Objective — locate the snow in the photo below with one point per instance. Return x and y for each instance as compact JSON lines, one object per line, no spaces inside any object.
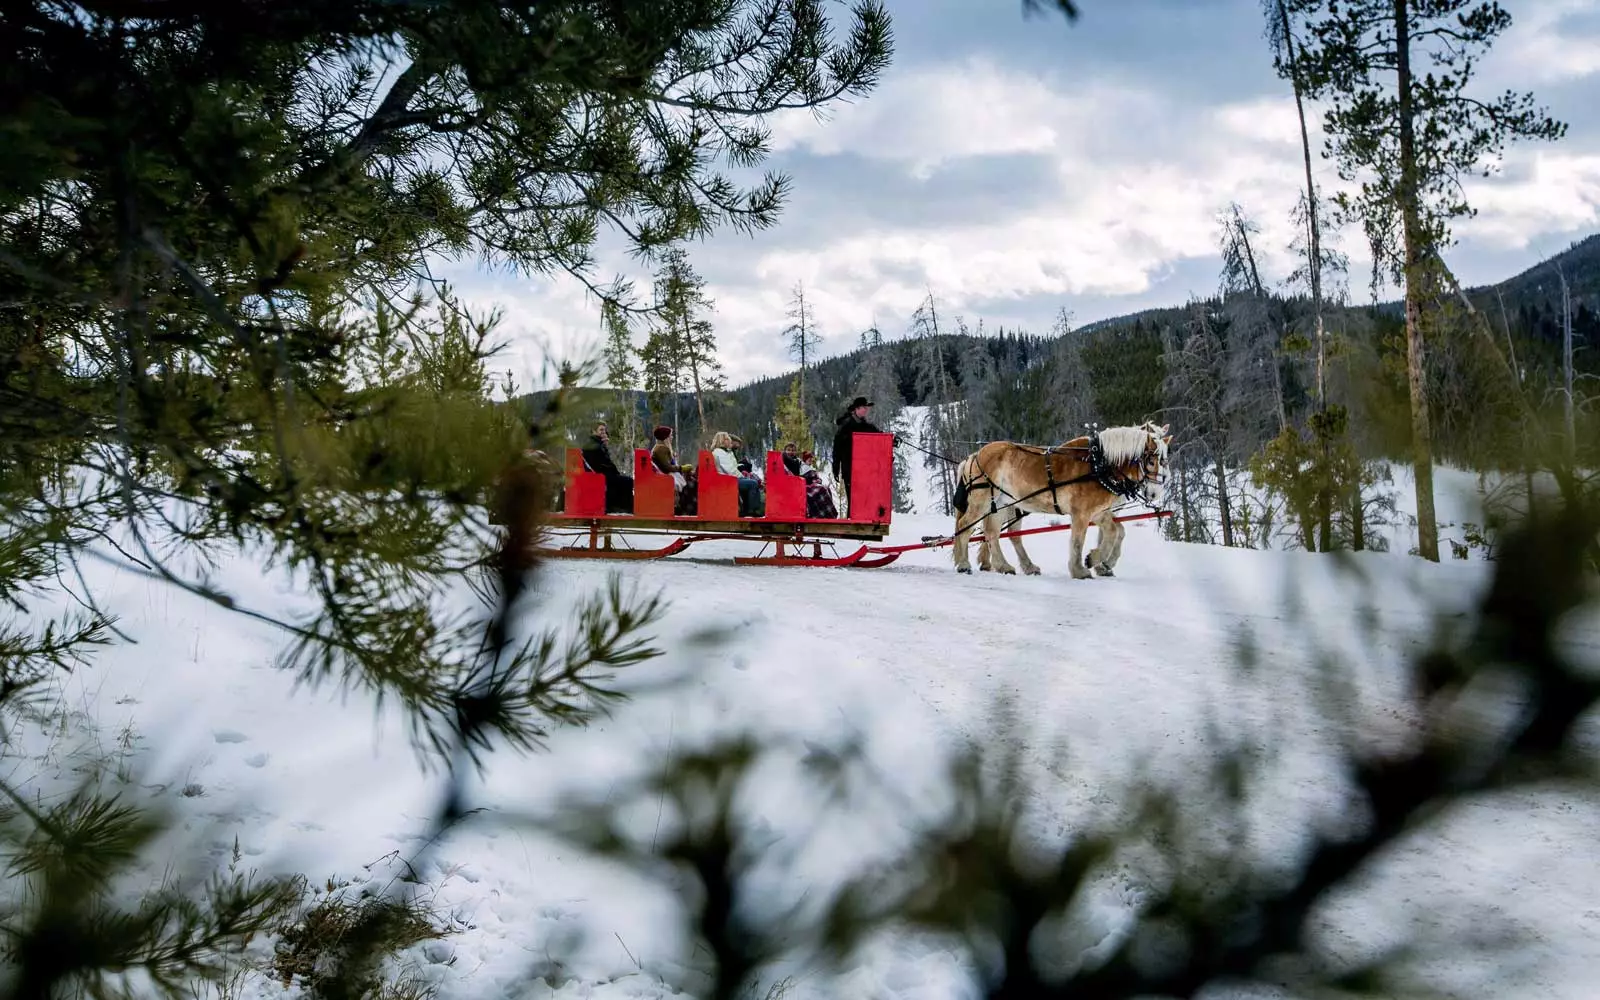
{"x":1116,"y":679}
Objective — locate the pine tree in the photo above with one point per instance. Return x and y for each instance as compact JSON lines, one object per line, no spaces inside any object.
{"x":790,"y":420}
{"x":1408,"y":134}
{"x":875,"y":379}
{"x":802,"y":339}
{"x":688,"y":340}
{"x":1315,"y":259}
{"x":622,"y":376}
{"x":1069,"y":392}
{"x":662,"y":367}
{"x":941,"y":427}
{"x":977,"y":420}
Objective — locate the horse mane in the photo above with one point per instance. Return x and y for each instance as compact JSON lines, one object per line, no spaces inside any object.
{"x":1122,"y":445}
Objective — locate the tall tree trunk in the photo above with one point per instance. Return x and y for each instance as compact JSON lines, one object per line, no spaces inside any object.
{"x":699,"y":400}
{"x":1313,"y":227}
{"x":1222,"y":505}
{"x":1358,"y":522}
{"x":1325,"y":509}
{"x":1566,"y":365}
{"x":1188,"y":520}
{"x":1416,"y":268}
{"x":1249,"y":255}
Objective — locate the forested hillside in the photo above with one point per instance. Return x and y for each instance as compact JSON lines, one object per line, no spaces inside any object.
{"x":1229,"y":372}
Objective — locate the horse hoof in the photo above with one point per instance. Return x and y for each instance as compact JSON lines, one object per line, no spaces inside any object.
{"x":964,"y":569}
{"x":1006,"y":571}
{"x":1032,"y":571}
{"x":1104,"y":571}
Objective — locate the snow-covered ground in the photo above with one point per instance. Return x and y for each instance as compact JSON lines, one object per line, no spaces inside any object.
{"x":1112,"y":673}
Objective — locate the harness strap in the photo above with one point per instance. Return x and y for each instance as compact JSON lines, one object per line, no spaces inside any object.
{"x":1100,"y":471}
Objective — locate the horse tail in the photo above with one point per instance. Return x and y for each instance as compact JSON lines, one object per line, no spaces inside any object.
{"x":965,"y":473}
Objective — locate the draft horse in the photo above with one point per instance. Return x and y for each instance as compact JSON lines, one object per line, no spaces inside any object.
{"x":1082,"y":479}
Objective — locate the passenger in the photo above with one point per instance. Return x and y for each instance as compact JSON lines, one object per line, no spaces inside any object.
{"x":819,"y":499}
{"x":791,"y":458}
{"x":722,"y":445}
{"x":662,"y":457}
{"x":722,"y":454}
{"x":619,"y":487}
{"x":751,"y":501}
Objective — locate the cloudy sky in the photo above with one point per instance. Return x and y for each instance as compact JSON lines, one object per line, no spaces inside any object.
{"x":1016,"y":166}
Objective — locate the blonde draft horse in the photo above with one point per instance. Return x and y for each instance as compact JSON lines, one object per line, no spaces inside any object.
{"x":1002,"y":481}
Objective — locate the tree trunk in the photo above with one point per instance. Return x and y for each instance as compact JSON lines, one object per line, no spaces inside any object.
{"x":1183,"y":491}
{"x":1325,"y":505}
{"x":1358,"y":520}
{"x":1313,"y":229}
{"x":1249,"y":255}
{"x":1566,"y":365}
{"x":1415,"y":277}
{"x":1222,"y":504}
{"x":699,"y":402}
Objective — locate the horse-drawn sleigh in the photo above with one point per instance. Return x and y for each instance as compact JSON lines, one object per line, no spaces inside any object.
{"x":1084,"y":479}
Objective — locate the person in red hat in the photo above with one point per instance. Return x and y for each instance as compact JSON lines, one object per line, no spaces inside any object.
{"x":665,"y":460}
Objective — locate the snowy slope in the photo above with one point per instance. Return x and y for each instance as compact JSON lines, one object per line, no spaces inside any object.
{"x":1112,"y":671}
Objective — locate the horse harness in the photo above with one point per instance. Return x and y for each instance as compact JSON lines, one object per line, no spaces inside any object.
{"x":1100,"y":471}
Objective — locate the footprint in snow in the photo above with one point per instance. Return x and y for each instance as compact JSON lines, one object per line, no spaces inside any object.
{"x":438,"y":951}
{"x":556,"y":913}
{"x":257,"y":760}
{"x":229,"y":736}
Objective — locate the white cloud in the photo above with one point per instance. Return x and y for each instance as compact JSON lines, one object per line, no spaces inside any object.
{"x":927,"y":117}
{"x":1140,"y":175}
{"x":1139,"y":185}
{"x":1559,"y":191}
{"x":1543,"y":45}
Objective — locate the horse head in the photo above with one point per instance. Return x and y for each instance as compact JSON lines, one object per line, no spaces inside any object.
{"x":1152,"y":466}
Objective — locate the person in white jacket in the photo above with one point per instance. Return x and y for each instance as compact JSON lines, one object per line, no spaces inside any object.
{"x":728,"y":464}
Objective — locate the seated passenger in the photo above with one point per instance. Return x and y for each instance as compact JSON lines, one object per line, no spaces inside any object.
{"x":751,"y":501}
{"x":791,"y":458}
{"x":662,"y":457}
{"x":722,"y":454}
{"x":729,"y":465}
{"x":619,"y":487}
{"x":819,"y":499}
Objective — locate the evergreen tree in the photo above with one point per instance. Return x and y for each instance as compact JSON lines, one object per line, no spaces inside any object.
{"x":211,"y":227}
{"x":976,"y":419}
{"x":687,"y":340}
{"x":663,"y":373}
{"x":790,"y":420}
{"x":941,"y":428}
{"x":622,"y":376}
{"x":802,"y":338}
{"x":1069,"y":389}
{"x":876,"y":379}
{"x":1408,"y":133}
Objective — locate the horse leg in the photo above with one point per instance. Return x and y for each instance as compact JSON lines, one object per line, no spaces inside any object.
{"x":1027,"y":564}
{"x":1109,"y":544}
{"x":1118,"y":533}
{"x":965,"y":522}
{"x":1080,"y":529}
{"x":985,"y":560}
{"x":991,"y":530}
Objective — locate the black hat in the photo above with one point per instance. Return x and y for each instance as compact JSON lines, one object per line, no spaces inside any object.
{"x":859,"y":401}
